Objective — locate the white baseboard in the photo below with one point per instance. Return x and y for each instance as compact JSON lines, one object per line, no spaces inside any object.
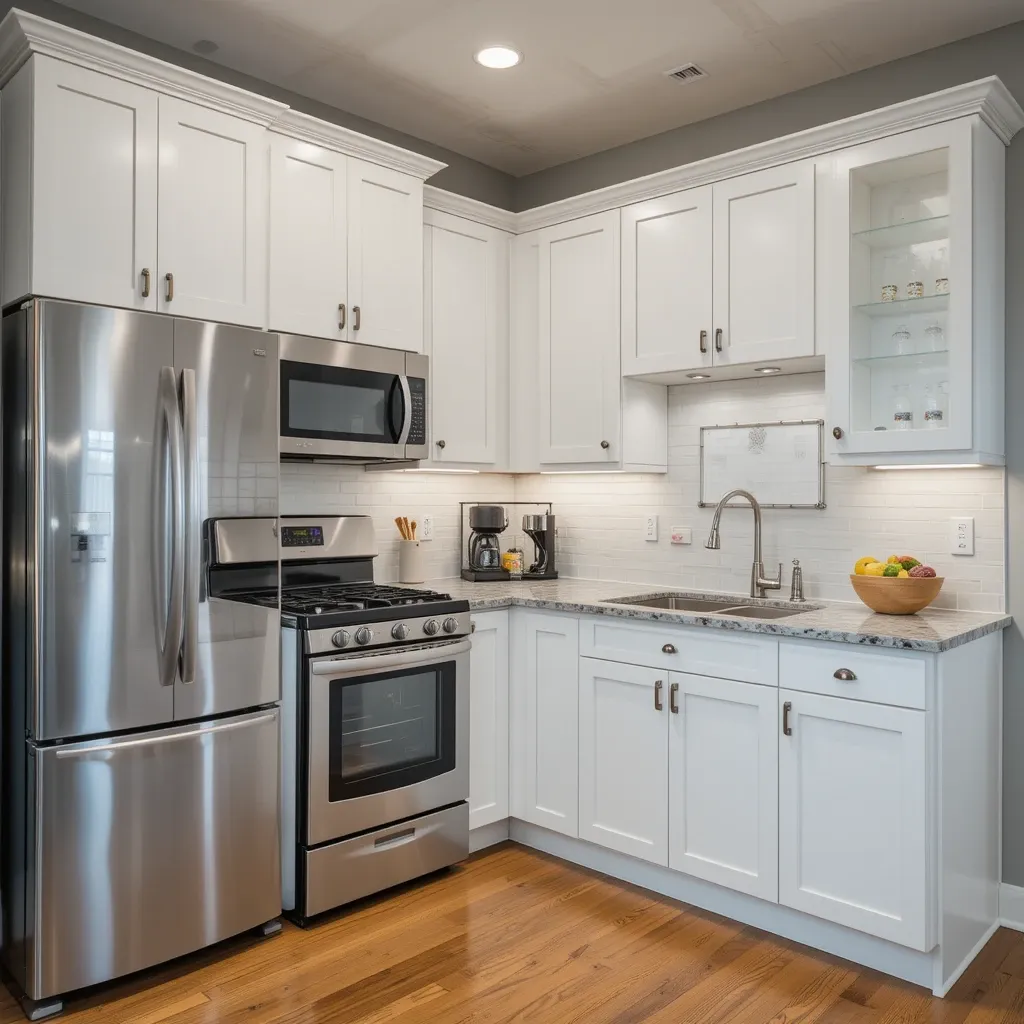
{"x":942,"y":987}
{"x":487,"y":835}
{"x":1011,"y":906}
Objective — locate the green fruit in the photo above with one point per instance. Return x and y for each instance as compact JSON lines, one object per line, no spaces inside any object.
{"x":908,"y":562}
{"x":892,"y":569}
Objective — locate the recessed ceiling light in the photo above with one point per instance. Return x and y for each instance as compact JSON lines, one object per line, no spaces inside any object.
{"x":498,"y":57}
{"x":699,"y":376}
{"x":767,"y":369}
{"x":205,"y":46}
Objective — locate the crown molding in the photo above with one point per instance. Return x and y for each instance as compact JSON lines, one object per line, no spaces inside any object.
{"x":988,"y":98}
{"x":306,"y":128}
{"x":470,"y":209}
{"x":23,"y":34}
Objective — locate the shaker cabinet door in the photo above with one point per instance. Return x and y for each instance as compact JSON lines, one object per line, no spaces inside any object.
{"x":488,"y":719}
{"x":212,"y":215}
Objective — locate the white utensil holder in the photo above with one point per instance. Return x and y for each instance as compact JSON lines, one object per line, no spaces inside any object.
{"x":412,"y":562}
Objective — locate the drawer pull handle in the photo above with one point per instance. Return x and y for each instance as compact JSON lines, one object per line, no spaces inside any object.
{"x":787,"y":729}
{"x":396,"y":837}
{"x":342,"y":316}
{"x":673,"y":698}
{"x":669,"y":649}
{"x":658,"y":706}
{"x":844,"y":675}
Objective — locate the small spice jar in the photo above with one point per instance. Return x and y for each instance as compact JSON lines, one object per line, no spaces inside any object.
{"x":915,"y":289}
{"x":942,"y":286}
{"x":889,"y":292}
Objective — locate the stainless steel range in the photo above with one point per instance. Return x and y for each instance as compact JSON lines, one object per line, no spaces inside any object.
{"x":375,"y":720}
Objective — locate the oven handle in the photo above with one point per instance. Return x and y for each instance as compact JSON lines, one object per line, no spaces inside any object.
{"x":382,"y":662}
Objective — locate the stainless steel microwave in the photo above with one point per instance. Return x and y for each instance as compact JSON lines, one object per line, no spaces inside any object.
{"x":351,"y":402}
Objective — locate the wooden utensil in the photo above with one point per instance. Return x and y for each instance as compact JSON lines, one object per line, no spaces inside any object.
{"x":412,"y":527}
{"x":401,"y":527}
{"x":408,"y":532}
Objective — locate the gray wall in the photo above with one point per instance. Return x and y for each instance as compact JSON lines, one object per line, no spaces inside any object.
{"x":994,"y":53}
{"x":462,"y":175}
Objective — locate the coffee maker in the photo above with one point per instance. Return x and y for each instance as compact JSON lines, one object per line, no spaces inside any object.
{"x":541,"y":530}
{"x":486,"y":524}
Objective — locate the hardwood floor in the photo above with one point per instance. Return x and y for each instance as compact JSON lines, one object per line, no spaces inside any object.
{"x":515,"y":935}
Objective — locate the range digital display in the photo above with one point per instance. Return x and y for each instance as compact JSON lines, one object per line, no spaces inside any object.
{"x":302,"y":536}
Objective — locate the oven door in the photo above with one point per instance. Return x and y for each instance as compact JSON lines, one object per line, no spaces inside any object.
{"x":388,"y":737}
{"x":350,"y":401}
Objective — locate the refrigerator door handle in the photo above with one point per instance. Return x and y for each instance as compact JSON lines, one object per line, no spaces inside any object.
{"x":170,"y":425}
{"x":192,"y":555}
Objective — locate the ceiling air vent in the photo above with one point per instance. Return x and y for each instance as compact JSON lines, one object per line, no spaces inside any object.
{"x":687,"y":73}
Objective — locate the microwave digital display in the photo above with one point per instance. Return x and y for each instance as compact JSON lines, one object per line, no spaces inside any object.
{"x":302,"y":536}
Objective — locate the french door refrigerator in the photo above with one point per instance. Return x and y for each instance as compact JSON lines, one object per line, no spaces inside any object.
{"x":141,"y":719}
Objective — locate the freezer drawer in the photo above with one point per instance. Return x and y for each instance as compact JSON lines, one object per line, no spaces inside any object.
{"x":353,"y":868}
{"x":153,"y":845}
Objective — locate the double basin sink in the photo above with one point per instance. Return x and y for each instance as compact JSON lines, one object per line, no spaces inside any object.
{"x":731,"y":606}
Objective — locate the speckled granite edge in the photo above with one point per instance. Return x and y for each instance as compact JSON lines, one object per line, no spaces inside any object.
{"x":932,"y":631}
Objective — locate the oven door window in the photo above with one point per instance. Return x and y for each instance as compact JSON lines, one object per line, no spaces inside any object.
{"x":389,"y":731}
{"x":338,"y":404}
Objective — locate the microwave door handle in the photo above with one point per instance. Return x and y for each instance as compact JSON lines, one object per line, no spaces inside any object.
{"x":403,"y":383}
{"x":376,"y":663}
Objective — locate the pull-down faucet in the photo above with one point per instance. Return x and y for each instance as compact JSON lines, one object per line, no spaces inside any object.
{"x":758,"y":583}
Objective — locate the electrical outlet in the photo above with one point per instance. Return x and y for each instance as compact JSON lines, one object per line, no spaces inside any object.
{"x":651,"y":528}
{"x":427,"y":528}
{"x":682,"y":535}
{"x":961,"y":535}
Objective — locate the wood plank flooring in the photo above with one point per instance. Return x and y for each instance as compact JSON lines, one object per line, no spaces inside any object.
{"x":514,"y":935}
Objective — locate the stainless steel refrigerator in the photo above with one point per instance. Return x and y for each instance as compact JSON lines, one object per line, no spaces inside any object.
{"x":140,"y":796}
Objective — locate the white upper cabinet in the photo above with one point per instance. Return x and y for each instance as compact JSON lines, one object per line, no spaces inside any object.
{"x":212,"y":215}
{"x":465,"y":311}
{"x":721,"y":275}
{"x":385,"y":256}
{"x":80,"y":179}
{"x":915,"y":230}
{"x":488,"y":719}
{"x":764,"y":265}
{"x":666,"y":283}
{"x":308,"y":271}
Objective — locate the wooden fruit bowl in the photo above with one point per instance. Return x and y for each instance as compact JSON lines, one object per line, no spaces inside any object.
{"x":895,"y":596}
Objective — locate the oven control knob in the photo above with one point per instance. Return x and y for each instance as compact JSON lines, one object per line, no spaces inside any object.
{"x":400,"y":631}
{"x":431,"y":626}
{"x":450,"y":625}
{"x":364,"y":635}
{"x":341,"y":638}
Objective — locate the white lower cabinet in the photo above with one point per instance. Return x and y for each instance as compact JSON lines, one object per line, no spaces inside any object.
{"x":853,"y":815}
{"x":722,"y":782}
{"x":545,"y":721}
{"x":488,"y":719}
{"x":624,"y":758}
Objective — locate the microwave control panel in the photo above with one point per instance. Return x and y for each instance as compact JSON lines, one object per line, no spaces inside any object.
{"x":418,"y":428}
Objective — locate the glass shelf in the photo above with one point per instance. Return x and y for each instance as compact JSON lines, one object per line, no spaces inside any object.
{"x":911,"y":232}
{"x":924,"y":360}
{"x":904,"y":307}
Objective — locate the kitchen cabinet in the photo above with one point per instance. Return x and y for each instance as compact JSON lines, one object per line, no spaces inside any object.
{"x":914,"y":231}
{"x":465,"y":332}
{"x":853,"y":815}
{"x":545,"y":720}
{"x":488,"y":719}
{"x":723,"y":794}
{"x":720,"y":275}
{"x":624,"y":758}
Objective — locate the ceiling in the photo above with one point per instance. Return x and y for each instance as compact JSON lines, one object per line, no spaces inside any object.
{"x":591,"y":75}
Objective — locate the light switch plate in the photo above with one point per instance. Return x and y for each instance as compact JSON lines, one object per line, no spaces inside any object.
{"x":651,"y":528}
{"x":682,"y":535}
{"x":427,"y":528}
{"x":961,"y":535}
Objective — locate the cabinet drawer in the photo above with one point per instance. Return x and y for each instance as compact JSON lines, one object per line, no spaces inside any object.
{"x":880,"y":678}
{"x":725,"y":654}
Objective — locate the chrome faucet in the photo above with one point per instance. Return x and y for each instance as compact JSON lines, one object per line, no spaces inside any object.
{"x":758,"y":583}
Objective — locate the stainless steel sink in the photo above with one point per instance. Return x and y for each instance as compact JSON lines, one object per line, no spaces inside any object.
{"x":682,"y":604}
{"x":756,"y":612}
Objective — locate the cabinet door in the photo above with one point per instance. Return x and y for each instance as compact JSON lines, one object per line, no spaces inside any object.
{"x":723,"y":795}
{"x":545,"y":692}
{"x":93,"y":193}
{"x":308,"y":272}
{"x":465,"y":292}
{"x":578,"y":343}
{"x":213,"y":215}
{"x":853,"y":815}
{"x":624,"y":758}
{"x":488,"y":719}
{"x":764,"y":265}
{"x":666,"y":283}
{"x":385,"y":256}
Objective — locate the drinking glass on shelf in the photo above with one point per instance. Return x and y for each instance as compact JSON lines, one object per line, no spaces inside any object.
{"x":934,"y":415}
{"x":903,"y":408}
{"x":902,"y":341}
{"x":934,"y":338}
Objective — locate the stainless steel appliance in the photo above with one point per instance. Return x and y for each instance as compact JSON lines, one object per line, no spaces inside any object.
{"x":486,"y":524}
{"x":140,"y":701}
{"x":541,"y":530}
{"x":354,"y":403}
{"x":376,"y":721}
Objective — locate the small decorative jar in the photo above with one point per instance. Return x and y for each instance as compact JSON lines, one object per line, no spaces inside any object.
{"x":915,"y":289}
{"x":942,"y":286}
{"x":889,"y":292}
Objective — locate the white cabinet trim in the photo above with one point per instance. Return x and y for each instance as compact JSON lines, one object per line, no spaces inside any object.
{"x":435,"y":198}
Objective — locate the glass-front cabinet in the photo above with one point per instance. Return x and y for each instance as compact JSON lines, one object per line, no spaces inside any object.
{"x":913,"y":276}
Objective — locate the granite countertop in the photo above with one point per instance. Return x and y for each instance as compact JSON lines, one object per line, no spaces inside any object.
{"x":933,"y":630}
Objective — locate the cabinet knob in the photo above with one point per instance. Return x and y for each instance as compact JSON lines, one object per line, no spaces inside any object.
{"x":440,"y":444}
{"x":718,"y":340}
{"x":669,"y":649}
{"x":606,"y":445}
{"x":844,"y":675}
{"x":342,"y":315}
{"x":357,"y":318}
{"x":145,"y":282}
{"x":837,"y":433}
{"x":169,"y":278}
